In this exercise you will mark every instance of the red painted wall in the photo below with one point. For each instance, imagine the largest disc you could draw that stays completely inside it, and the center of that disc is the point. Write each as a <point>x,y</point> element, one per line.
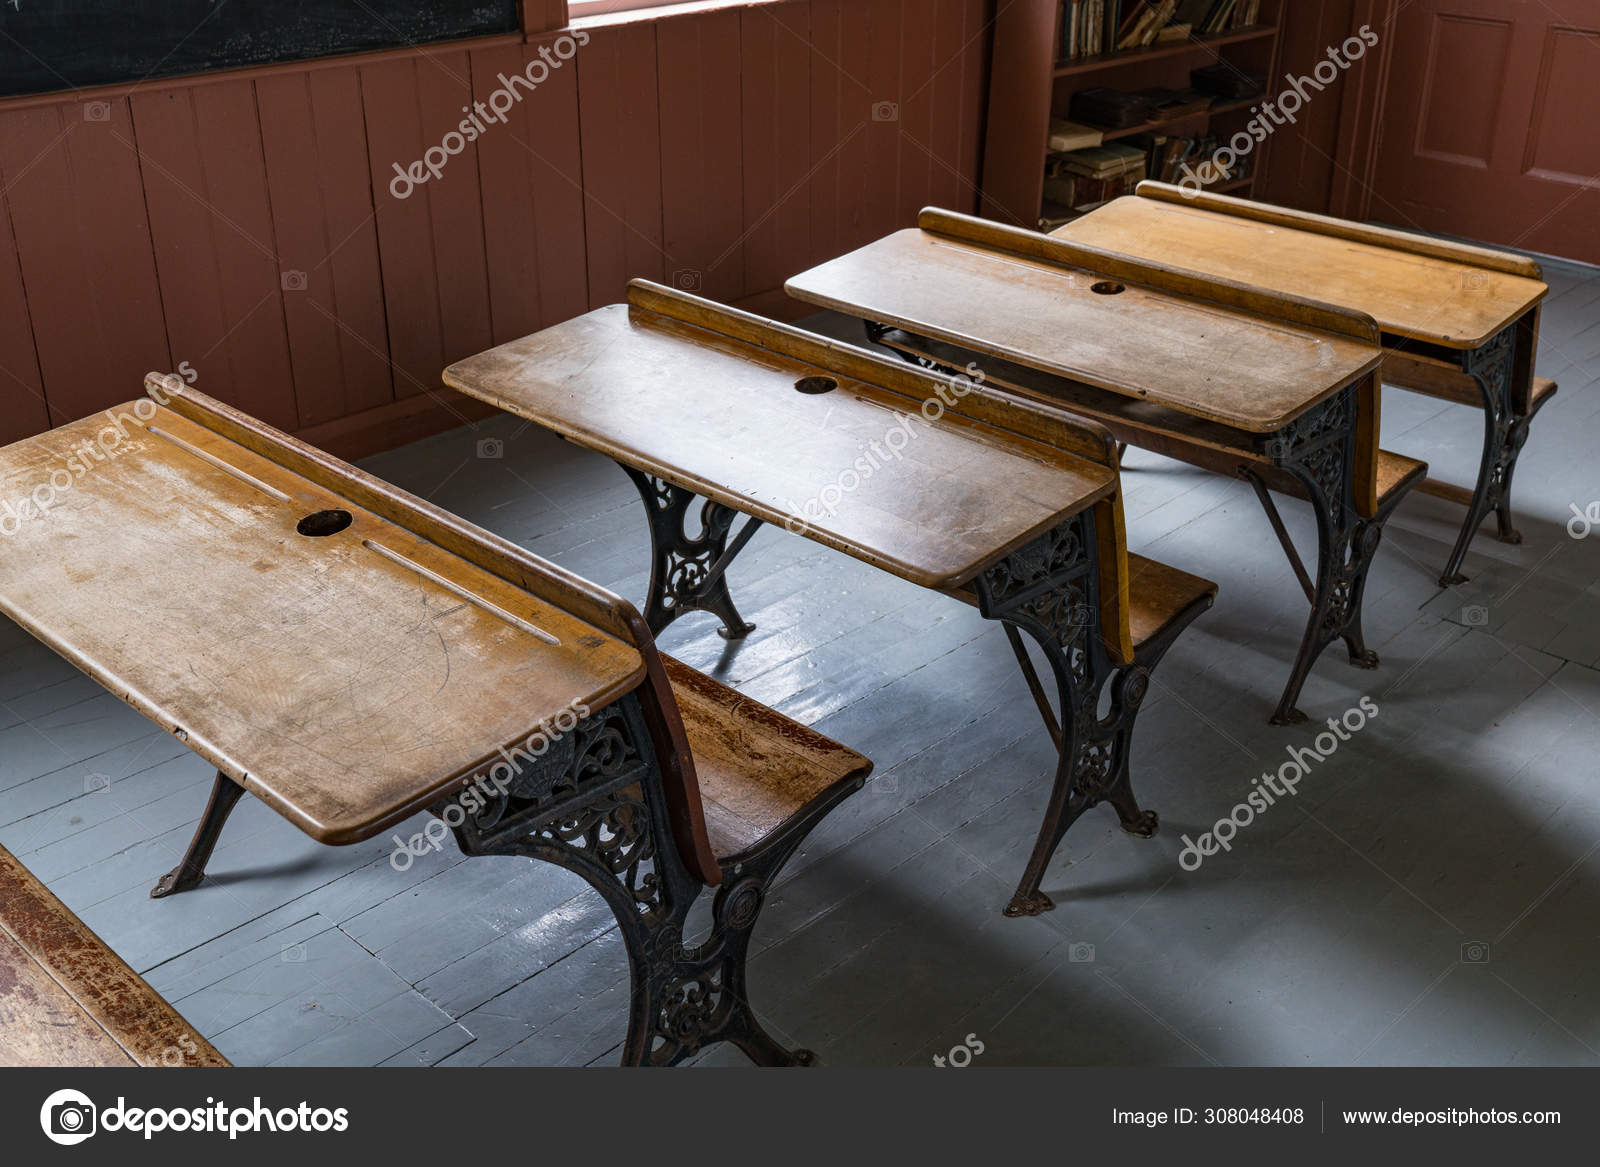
<point>242,222</point>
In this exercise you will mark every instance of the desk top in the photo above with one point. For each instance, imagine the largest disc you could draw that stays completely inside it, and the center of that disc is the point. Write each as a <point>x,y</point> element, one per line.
<point>706,397</point>
<point>345,679</point>
<point>1096,319</point>
<point>1425,289</point>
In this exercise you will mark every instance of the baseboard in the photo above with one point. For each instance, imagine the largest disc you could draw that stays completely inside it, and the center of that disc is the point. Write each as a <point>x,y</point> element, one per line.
<point>372,431</point>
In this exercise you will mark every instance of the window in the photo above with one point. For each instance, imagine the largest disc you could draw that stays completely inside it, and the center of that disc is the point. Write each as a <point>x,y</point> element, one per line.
<point>596,7</point>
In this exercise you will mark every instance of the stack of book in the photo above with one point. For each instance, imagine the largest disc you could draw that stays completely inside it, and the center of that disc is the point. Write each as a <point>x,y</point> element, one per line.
<point>1167,105</point>
<point>1172,158</point>
<point>1066,136</point>
<point>1110,109</point>
<point>1080,180</point>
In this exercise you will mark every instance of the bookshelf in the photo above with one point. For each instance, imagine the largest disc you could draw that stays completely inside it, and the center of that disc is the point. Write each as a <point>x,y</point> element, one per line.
<point>1029,86</point>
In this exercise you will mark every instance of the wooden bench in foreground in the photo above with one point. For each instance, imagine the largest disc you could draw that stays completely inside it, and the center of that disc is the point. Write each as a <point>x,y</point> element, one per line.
<point>1008,505</point>
<point>351,655</point>
<point>67,1000</point>
<point>1277,390</point>
<point>1460,323</point>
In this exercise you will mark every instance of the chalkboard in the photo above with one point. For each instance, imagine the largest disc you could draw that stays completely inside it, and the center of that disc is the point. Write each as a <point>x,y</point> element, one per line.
<point>66,44</point>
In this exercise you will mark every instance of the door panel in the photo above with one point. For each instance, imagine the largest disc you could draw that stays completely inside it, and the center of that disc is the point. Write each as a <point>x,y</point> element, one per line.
<point>1488,129</point>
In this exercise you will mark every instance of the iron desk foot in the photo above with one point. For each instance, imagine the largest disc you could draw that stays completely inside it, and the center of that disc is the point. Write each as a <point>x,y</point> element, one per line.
<point>1505,432</point>
<point>688,572</point>
<point>1049,590</point>
<point>191,872</point>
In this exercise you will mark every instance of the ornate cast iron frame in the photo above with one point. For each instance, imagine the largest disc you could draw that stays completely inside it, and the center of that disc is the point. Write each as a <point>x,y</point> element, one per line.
<point>600,812</point>
<point>1505,430</point>
<point>1050,590</point>
<point>687,571</point>
<point>1317,449</point>
<point>594,804</point>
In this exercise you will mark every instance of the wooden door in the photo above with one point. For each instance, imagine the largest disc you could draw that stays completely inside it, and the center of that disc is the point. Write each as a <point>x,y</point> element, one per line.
<point>1490,127</point>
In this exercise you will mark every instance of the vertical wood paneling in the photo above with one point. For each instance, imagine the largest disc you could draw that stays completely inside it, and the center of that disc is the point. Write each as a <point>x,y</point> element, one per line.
<point>620,121</point>
<point>21,387</point>
<point>977,40</point>
<point>775,72</point>
<point>435,282</point>
<point>221,282</point>
<point>701,152</point>
<point>83,245</point>
<point>532,192</point>
<point>841,114</point>
<point>315,148</point>
<point>1303,167</point>
<point>886,28</point>
<point>920,77</point>
<point>728,149</point>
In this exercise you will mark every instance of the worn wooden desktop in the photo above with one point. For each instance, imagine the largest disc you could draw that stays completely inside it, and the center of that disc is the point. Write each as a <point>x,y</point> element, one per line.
<point>187,574</point>
<point>992,500</point>
<point>351,655</point>
<point>1459,322</point>
<point>1281,390</point>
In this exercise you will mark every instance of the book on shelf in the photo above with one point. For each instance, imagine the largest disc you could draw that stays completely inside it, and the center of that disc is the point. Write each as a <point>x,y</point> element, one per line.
<point>1053,214</point>
<point>1109,109</point>
<point>1065,135</point>
<point>1099,162</point>
<point>1157,14</point>
<point>1076,190</point>
<point>1178,159</point>
<point>1088,28</point>
<point>1170,104</point>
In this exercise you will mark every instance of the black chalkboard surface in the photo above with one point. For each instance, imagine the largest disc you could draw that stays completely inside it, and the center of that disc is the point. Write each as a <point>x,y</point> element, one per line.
<point>66,44</point>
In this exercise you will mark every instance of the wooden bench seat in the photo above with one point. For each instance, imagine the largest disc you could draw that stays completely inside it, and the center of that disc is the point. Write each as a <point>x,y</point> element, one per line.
<point>1444,380</point>
<point>1158,595</point>
<point>756,768</point>
<point>1543,389</point>
<point>1397,474</point>
<point>66,999</point>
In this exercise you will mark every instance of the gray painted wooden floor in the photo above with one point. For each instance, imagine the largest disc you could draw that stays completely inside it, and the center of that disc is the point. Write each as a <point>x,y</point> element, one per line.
<point>1429,896</point>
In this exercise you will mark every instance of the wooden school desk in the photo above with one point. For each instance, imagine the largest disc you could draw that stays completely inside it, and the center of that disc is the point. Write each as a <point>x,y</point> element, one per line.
<point>351,655</point>
<point>1281,391</point>
<point>1460,323</point>
<point>1010,506</point>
